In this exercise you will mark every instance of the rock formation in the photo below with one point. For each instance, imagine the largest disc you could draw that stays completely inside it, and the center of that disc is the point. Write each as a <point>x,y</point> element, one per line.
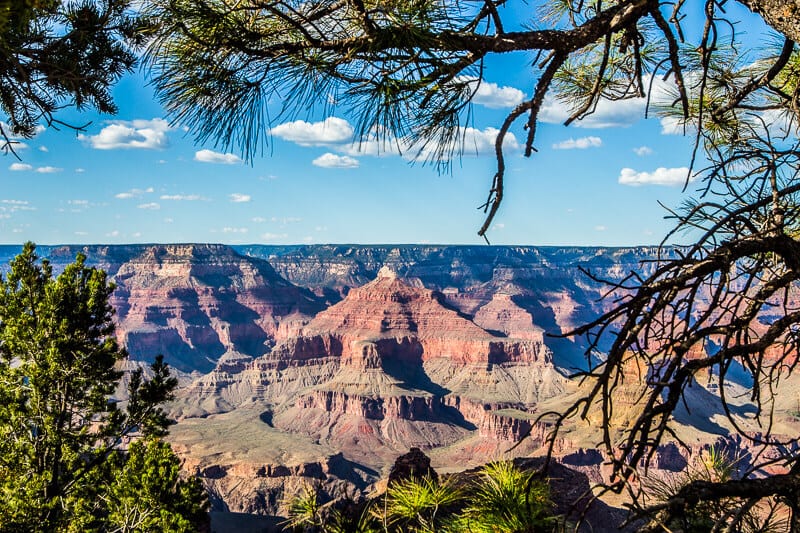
<point>194,303</point>
<point>413,464</point>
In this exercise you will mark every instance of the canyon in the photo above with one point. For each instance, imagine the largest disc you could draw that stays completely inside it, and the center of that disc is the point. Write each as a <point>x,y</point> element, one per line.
<point>322,364</point>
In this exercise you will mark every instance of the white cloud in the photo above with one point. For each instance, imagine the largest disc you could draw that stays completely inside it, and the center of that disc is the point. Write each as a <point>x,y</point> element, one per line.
<point>330,160</point>
<point>493,96</point>
<point>777,122</point>
<point>477,142</point>
<point>332,130</point>
<point>579,144</point>
<point>12,206</point>
<point>674,126</point>
<point>48,170</point>
<point>234,230</point>
<point>661,176</point>
<point>600,228</point>
<point>239,198</point>
<point>642,151</point>
<point>114,233</point>
<point>168,220</point>
<point>182,197</point>
<point>43,149</point>
<point>24,167</point>
<point>133,193</point>
<point>780,122</point>
<point>150,205</point>
<point>608,114</point>
<point>273,236</point>
<point>286,220</point>
<point>258,220</point>
<point>145,134</point>
<point>210,156</point>
<point>373,145</point>
<point>81,233</point>
<point>79,206</point>
<point>80,170</point>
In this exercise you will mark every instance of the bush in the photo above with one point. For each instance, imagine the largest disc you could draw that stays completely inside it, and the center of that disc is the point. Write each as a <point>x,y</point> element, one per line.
<point>500,499</point>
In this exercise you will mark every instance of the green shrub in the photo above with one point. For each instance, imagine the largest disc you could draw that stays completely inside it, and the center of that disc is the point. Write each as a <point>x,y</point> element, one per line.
<point>501,499</point>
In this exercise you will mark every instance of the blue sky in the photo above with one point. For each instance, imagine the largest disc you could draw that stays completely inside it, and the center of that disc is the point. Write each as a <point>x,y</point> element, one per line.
<point>135,178</point>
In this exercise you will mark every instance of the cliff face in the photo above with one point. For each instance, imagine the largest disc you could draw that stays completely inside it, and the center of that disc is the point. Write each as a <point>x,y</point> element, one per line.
<point>407,322</point>
<point>545,282</point>
<point>197,302</point>
<point>405,407</point>
<point>194,303</point>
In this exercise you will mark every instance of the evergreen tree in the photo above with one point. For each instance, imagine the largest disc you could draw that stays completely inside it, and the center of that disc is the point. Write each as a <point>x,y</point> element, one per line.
<point>61,461</point>
<point>147,493</point>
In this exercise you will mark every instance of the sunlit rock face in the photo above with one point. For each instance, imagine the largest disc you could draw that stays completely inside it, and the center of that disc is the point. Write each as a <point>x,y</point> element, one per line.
<point>194,303</point>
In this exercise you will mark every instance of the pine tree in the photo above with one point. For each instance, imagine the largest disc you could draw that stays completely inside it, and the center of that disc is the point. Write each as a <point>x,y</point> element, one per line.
<point>61,436</point>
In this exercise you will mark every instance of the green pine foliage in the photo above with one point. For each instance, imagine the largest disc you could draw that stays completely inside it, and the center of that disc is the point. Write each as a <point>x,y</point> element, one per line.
<point>305,510</point>
<point>500,499</point>
<point>147,493</point>
<point>62,53</point>
<point>421,505</point>
<point>506,498</point>
<point>62,466</point>
<point>714,466</point>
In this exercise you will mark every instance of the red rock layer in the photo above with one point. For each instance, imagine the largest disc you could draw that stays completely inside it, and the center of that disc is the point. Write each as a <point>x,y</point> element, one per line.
<point>499,421</point>
<point>406,407</point>
<point>194,303</point>
<point>404,323</point>
<point>503,315</point>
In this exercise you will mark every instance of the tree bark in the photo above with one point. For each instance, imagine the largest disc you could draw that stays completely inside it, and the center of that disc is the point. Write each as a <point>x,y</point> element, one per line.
<point>782,15</point>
